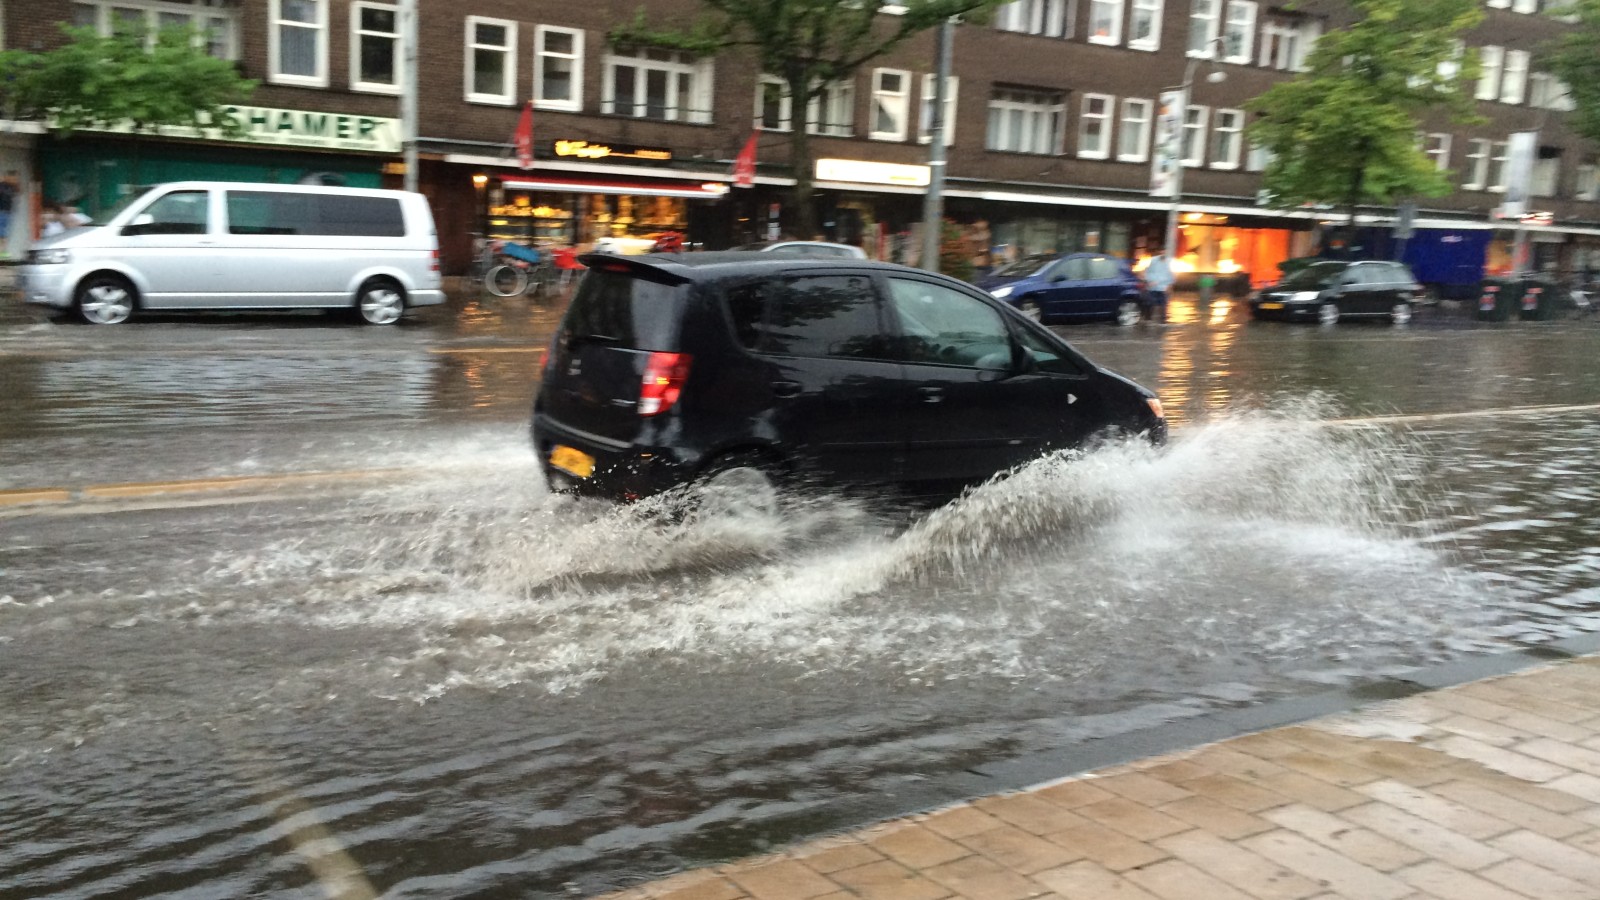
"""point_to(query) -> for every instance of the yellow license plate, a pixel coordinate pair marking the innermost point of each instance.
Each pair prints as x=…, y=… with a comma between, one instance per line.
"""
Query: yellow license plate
x=572, y=461
x=1272, y=306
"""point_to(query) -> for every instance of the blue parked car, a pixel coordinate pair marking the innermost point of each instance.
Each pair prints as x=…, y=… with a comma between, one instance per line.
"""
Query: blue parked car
x=1049, y=287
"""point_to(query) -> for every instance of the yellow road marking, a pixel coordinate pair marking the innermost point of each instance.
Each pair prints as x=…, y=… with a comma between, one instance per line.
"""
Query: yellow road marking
x=195, y=485
x=1467, y=414
x=34, y=495
x=455, y=350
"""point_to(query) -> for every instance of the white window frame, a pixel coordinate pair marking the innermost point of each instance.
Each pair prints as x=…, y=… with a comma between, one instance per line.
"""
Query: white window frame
x=1499, y=155
x=1049, y=106
x=1139, y=112
x=1200, y=115
x=1233, y=133
x=1526, y=7
x=1105, y=119
x=470, y=59
x=576, y=56
x=1239, y=17
x=699, y=72
x=1587, y=185
x=837, y=97
x=952, y=89
x=1499, y=4
x=276, y=22
x=1116, y=9
x=1046, y=18
x=1146, y=9
x=152, y=9
x=1514, y=77
x=1205, y=17
x=1490, y=58
x=1436, y=145
x=1477, y=166
x=356, y=39
x=785, y=104
x=898, y=103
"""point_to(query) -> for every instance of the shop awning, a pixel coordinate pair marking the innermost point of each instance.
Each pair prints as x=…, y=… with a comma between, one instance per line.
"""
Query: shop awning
x=710, y=190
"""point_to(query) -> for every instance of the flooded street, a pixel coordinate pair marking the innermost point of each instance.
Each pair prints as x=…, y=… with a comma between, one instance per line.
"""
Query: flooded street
x=448, y=683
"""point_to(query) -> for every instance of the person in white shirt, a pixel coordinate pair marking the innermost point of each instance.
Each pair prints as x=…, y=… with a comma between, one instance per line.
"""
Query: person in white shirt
x=1158, y=280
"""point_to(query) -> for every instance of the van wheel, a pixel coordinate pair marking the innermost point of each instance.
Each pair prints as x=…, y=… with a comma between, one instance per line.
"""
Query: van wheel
x=738, y=486
x=106, y=299
x=1400, y=313
x=1128, y=313
x=1328, y=313
x=380, y=302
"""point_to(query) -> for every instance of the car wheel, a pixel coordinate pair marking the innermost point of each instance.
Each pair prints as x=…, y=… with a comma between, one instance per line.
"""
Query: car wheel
x=738, y=486
x=105, y=299
x=1328, y=313
x=1400, y=313
x=1030, y=308
x=1128, y=313
x=380, y=302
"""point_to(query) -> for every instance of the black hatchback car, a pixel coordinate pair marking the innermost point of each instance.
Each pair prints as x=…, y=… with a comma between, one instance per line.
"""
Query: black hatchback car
x=752, y=368
x=1330, y=290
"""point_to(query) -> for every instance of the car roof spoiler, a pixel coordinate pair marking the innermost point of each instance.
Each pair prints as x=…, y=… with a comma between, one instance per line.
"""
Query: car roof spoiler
x=649, y=268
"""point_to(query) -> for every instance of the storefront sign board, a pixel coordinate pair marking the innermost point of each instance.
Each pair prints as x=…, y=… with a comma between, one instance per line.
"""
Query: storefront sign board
x=294, y=128
x=574, y=149
x=866, y=172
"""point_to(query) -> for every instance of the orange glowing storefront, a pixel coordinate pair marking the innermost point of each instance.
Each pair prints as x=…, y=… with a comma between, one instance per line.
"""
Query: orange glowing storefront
x=1241, y=252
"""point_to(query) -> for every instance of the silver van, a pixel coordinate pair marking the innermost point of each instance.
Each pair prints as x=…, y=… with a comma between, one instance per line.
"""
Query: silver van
x=211, y=245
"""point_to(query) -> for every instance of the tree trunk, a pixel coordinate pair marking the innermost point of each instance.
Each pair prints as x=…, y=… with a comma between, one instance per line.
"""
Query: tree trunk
x=1357, y=178
x=802, y=217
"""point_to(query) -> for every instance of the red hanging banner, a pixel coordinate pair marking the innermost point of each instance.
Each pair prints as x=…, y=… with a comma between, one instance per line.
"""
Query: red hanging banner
x=744, y=165
x=524, y=137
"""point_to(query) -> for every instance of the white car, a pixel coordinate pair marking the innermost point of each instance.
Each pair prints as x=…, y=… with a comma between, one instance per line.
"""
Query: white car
x=812, y=249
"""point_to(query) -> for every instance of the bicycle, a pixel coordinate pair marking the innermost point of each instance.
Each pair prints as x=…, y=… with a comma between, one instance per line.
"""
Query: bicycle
x=520, y=271
x=477, y=275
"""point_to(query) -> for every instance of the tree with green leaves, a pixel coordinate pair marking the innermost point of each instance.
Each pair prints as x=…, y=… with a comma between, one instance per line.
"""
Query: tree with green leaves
x=1575, y=59
x=1345, y=130
x=810, y=44
x=132, y=79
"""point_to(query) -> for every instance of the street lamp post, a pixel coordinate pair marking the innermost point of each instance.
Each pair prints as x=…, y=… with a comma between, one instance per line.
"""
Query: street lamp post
x=1179, y=136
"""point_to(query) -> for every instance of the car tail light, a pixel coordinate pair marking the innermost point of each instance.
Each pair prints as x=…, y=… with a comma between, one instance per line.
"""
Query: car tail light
x=434, y=263
x=1155, y=407
x=664, y=375
x=1530, y=300
x=1486, y=302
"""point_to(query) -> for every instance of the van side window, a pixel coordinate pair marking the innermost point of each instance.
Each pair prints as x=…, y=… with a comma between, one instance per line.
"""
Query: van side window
x=296, y=213
x=815, y=316
x=349, y=216
x=180, y=212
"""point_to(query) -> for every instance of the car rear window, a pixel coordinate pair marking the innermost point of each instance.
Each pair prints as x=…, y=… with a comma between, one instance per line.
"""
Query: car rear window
x=619, y=309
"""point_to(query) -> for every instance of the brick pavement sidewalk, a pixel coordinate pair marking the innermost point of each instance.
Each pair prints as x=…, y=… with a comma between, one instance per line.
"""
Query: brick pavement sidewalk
x=1484, y=791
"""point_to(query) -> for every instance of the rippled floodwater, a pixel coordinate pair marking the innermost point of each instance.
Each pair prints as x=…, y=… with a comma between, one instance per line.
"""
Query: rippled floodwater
x=462, y=687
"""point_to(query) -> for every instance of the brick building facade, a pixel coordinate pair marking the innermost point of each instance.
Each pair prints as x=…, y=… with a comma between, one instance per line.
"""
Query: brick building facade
x=1053, y=113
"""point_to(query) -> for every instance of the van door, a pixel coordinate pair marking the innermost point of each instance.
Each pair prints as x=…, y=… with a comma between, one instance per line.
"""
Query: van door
x=171, y=244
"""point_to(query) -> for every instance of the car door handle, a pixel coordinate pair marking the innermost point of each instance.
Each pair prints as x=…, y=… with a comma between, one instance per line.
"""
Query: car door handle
x=786, y=388
x=931, y=394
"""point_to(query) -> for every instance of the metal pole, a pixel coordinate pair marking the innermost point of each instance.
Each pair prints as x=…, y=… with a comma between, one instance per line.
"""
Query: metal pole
x=933, y=202
x=1179, y=134
x=408, y=90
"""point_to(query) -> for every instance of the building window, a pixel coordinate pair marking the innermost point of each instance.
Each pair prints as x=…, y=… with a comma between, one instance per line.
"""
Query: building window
x=1051, y=18
x=1226, y=139
x=890, y=103
x=558, y=68
x=925, y=112
x=1024, y=121
x=1588, y=184
x=1238, y=32
x=1498, y=153
x=1204, y=26
x=1546, y=172
x=1105, y=22
x=1133, y=139
x=1528, y=7
x=375, y=47
x=1258, y=159
x=1489, y=59
x=1144, y=30
x=1437, y=146
x=1499, y=4
x=214, y=21
x=299, y=42
x=833, y=112
x=773, y=104
x=655, y=83
x=1478, y=152
x=1094, y=126
x=1514, y=79
x=1194, y=135
x=491, y=47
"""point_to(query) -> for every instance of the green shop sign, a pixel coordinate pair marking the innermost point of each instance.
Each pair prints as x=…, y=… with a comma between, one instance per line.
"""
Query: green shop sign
x=296, y=128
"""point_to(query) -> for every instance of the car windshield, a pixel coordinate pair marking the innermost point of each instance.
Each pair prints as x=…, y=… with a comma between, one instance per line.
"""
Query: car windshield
x=105, y=217
x=1316, y=275
x=1028, y=265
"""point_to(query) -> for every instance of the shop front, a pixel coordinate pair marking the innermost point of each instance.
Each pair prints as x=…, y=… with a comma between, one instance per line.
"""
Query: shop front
x=619, y=215
x=876, y=206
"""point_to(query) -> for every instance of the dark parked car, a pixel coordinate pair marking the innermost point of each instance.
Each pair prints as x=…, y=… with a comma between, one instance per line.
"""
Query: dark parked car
x=1049, y=287
x=753, y=369
x=1330, y=290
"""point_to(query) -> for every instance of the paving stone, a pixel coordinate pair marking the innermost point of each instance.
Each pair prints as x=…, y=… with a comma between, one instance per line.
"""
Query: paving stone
x=1436, y=809
x=1497, y=734
x=832, y=856
x=1328, y=768
x=1543, y=726
x=1136, y=821
x=1434, y=840
x=1510, y=809
x=888, y=880
x=1319, y=864
x=1553, y=855
x=1019, y=850
x=1238, y=867
x=1470, y=705
x=1032, y=813
x=1578, y=784
x=1227, y=761
x=1264, y=745
x=1527, y=700
x=1542, y=884
x=1177, y=880
x=1360, y=844
x=981, y=878
x=1076, y=793
x=917, y=847
x=784, y=879
x=1447, y=883
x=1086, y=879
x=1177, y=771
x=711, y=887
x=1108, y=847
x=1215, y=817
x=1313, y=791
x=1500, y=760
x=960, y=821
x=1570, y=756
x=1236, y=793
x=1140, y=787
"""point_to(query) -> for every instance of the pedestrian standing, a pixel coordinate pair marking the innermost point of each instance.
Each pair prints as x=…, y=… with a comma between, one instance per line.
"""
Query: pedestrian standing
x=1158, y=280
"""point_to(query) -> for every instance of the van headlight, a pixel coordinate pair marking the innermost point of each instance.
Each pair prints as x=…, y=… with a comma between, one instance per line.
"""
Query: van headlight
x=1000, y=293
x=1303, y=297
x=53, y=257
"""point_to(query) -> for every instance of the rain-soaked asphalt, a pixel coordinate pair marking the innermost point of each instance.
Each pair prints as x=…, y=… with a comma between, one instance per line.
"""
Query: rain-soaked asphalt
x=448, y=684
